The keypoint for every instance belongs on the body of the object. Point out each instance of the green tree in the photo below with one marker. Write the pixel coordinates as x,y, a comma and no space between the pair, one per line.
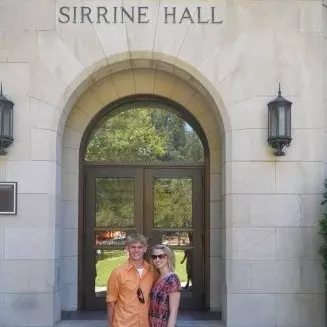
115,202
173,203
143,135
183,144
125,136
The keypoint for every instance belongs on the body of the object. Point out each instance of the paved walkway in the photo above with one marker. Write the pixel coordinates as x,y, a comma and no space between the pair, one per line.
186,318
102,323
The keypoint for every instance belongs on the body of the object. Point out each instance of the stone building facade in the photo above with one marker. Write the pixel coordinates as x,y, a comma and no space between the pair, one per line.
61,69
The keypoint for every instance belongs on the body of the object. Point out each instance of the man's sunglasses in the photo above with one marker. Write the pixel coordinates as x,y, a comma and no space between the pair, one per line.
159,256
140,295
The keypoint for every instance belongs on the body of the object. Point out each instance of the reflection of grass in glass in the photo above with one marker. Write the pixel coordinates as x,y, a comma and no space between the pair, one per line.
110,260
107,264
180,269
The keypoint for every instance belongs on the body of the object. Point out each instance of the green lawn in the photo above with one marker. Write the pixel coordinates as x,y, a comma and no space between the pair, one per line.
112,259
180,268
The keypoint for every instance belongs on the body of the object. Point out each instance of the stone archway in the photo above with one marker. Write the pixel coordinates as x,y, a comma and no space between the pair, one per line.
165,81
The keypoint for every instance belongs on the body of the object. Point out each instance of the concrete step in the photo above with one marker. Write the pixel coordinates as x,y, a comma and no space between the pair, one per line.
103,323
186,318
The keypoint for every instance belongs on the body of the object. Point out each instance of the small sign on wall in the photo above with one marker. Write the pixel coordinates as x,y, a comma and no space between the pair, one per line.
8,198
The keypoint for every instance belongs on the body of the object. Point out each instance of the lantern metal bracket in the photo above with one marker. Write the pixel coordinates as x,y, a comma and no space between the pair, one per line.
5,142
278,144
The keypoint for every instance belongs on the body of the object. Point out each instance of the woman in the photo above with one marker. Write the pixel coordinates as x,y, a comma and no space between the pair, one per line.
165,294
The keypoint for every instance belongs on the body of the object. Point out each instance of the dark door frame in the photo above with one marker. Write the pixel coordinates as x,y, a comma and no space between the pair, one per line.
144,175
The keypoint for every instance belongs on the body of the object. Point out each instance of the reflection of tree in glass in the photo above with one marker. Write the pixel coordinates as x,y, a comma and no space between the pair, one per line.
173,203
114,202
144,135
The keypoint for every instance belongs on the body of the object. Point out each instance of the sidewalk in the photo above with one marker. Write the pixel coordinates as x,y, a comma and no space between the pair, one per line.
186,318
102,323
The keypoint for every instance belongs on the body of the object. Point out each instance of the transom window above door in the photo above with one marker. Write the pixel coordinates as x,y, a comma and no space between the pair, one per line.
144,131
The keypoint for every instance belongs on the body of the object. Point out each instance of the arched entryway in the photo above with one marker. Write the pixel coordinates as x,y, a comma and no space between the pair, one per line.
188,100
143,166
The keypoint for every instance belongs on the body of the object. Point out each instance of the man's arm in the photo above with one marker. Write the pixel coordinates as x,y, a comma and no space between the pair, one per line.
112,295
111,306
183,258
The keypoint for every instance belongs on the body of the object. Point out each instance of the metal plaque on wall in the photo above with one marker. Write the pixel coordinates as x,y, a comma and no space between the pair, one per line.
8,198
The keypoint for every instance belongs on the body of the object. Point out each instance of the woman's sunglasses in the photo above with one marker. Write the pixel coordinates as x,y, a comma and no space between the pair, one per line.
159,256
140,295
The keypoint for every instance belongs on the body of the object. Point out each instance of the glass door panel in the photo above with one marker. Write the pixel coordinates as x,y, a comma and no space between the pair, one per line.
106,262
184,267
114,209
115,202
115,198
172,207
174,216
183,256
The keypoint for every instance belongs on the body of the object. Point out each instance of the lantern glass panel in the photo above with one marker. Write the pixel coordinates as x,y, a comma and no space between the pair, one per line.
272,122
281,121
7,122
288,122
1,119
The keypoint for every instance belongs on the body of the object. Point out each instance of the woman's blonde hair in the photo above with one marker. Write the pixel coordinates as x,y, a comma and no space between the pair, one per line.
170,256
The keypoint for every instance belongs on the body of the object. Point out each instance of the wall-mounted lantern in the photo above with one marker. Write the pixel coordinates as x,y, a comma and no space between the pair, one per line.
279,123
6,123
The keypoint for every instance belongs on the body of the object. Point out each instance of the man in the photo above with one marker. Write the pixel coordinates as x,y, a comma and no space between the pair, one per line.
188,256
129,286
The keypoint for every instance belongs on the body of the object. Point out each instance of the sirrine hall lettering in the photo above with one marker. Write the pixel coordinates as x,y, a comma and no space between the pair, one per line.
137,15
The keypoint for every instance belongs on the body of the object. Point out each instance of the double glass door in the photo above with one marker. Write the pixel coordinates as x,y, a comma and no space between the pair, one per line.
164,204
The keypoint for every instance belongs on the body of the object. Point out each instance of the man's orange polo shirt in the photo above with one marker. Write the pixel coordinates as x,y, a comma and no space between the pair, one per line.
122,287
